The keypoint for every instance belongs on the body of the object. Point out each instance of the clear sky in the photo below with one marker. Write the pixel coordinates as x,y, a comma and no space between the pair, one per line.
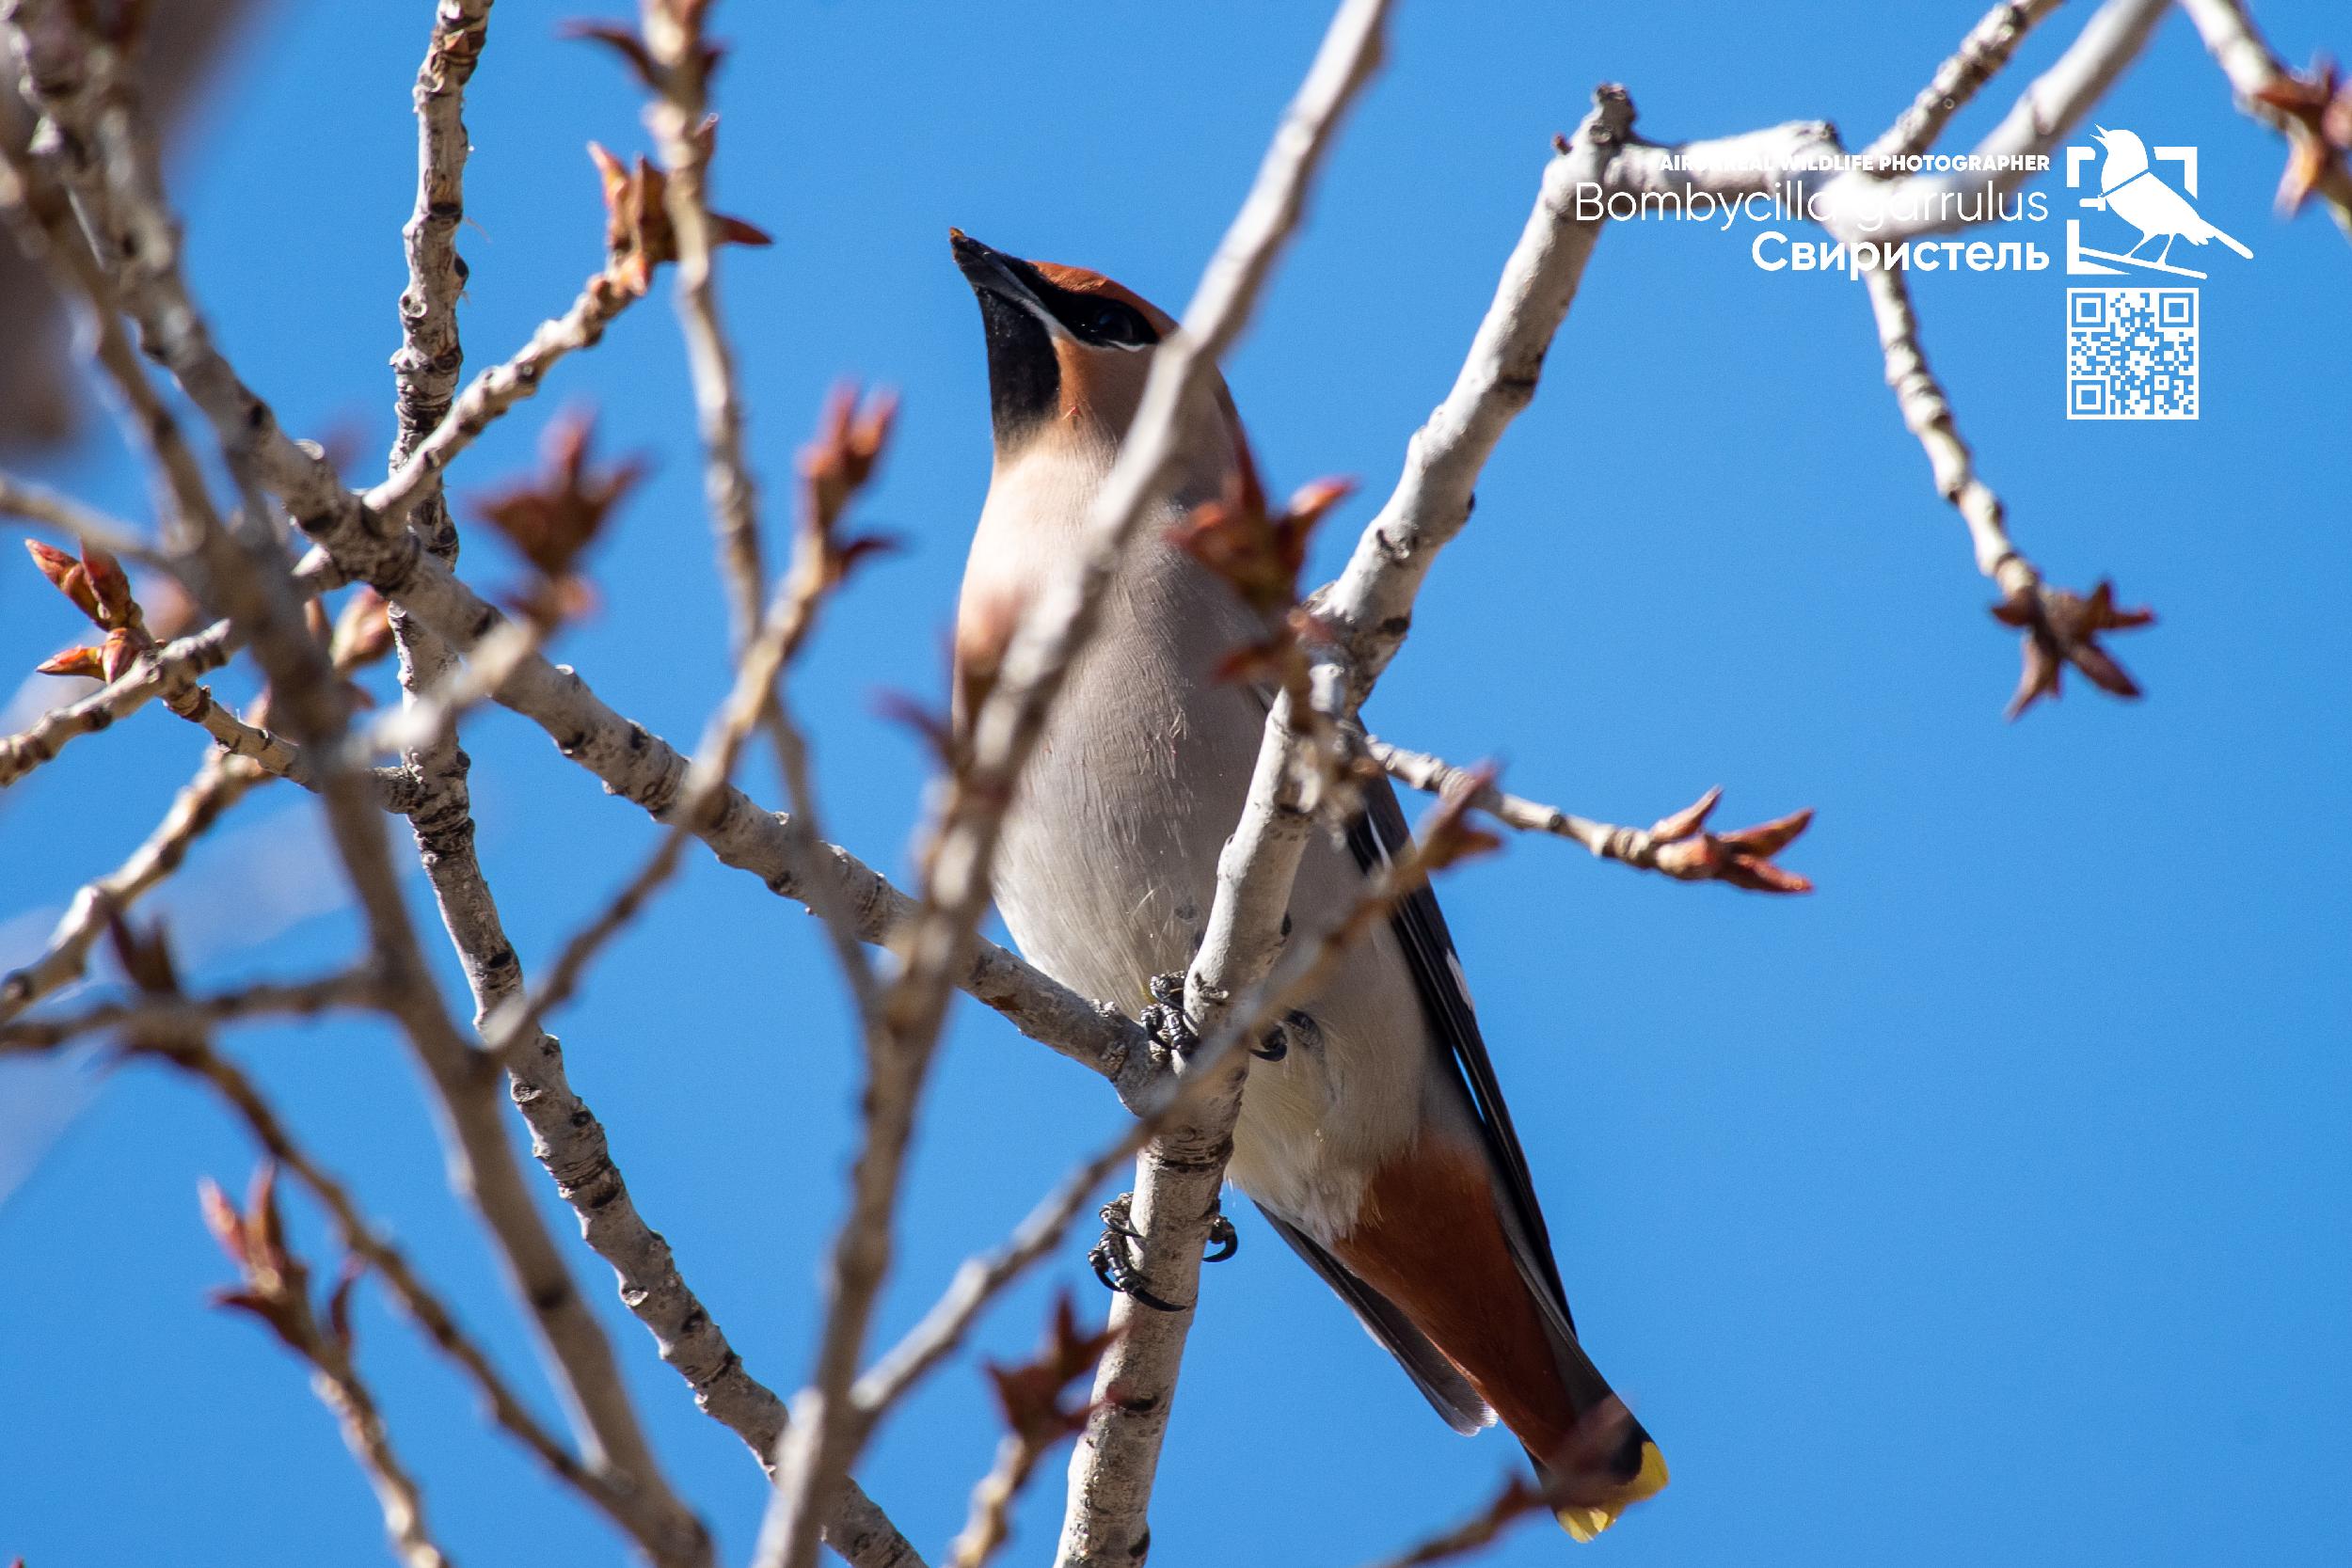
1988,1206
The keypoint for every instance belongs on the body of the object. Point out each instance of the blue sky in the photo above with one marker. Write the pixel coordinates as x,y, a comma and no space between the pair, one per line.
1988,1206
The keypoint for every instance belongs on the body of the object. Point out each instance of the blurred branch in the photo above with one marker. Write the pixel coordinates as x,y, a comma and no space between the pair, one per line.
174,1014
38,505
218,784
679,61
1031,1399
277,1291
2313,111
1982,55
1581,1476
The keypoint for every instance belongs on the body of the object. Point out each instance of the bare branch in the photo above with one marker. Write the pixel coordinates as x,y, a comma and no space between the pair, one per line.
492,393
174,1014
1982,55
76,81
1676,845
2301,108
679,119
85,525
219,784
1855,203
2061,627
277,1291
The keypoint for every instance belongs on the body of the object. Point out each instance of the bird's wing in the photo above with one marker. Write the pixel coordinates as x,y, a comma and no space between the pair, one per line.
1444,1387
1376,837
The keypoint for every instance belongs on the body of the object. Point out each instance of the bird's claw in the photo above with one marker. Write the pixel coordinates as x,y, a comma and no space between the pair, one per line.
1113,1258
1165,1019
1224,1241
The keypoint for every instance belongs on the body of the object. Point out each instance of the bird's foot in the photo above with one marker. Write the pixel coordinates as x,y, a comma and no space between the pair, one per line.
1113,1259
1165,1019
1224,1241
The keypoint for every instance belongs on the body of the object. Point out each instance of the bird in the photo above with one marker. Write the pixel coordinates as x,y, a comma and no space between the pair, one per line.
2131,189
1376,1141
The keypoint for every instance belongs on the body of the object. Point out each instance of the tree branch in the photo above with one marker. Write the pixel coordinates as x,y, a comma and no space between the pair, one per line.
1677,845
75,80
1856,205
2061,628
277,1291
680,63
2257,78
1982,55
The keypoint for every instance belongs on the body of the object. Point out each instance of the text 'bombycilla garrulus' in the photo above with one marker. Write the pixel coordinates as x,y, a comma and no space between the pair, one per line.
1377,1143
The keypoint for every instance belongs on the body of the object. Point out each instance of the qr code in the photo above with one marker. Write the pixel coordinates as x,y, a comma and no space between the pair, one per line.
2131,354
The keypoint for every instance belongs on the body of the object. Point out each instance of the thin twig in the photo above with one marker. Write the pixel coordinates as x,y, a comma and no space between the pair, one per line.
37,503
1676,845
176,1014
219,783
680,63
407,1287
2061,628
158,672
277,1291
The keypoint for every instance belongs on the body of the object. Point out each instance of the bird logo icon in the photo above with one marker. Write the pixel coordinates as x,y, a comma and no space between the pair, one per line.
2130,188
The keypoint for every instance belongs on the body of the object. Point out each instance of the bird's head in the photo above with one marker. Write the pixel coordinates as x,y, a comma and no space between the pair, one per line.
1066,346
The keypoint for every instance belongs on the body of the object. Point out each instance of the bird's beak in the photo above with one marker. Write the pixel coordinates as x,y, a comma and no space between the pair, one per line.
2099,135
990,271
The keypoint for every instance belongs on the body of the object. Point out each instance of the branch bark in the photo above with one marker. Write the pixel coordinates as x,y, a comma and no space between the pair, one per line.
1676,845
2236,46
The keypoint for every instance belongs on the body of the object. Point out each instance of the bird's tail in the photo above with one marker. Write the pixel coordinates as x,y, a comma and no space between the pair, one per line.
2231,243
1609,1461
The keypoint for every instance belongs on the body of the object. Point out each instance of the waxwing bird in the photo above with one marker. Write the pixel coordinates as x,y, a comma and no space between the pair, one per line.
2131,189
1376,1142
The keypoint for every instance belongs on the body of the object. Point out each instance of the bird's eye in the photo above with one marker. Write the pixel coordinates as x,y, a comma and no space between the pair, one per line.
1116,324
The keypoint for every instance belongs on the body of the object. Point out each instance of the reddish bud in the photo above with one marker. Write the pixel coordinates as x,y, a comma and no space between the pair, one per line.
90,662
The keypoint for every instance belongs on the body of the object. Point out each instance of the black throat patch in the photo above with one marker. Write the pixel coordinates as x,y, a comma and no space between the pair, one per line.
1023,375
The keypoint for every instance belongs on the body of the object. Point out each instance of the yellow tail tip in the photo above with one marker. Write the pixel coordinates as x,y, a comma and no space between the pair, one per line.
1584,1521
